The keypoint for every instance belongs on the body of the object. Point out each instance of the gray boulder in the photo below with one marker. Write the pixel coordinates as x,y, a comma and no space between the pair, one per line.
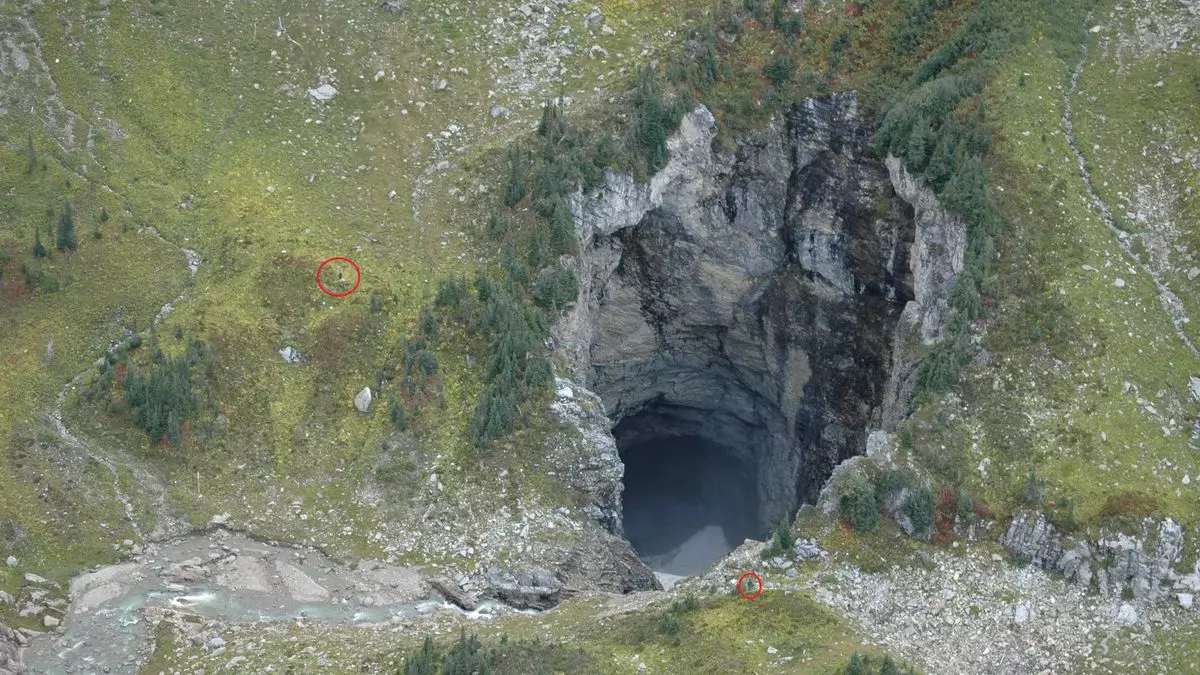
453,592
362,400
531,588
325,92
392,6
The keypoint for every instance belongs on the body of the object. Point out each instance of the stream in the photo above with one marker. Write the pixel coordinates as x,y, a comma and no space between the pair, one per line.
223,576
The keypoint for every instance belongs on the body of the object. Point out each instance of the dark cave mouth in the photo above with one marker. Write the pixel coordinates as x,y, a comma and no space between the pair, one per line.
688,499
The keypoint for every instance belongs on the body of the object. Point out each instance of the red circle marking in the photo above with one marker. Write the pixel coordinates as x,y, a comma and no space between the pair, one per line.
326,291
743,579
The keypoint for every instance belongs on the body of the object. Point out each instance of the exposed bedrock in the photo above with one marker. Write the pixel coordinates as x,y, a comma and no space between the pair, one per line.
743,305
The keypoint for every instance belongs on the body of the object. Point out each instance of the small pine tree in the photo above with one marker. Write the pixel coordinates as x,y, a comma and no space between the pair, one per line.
39,251
31,154
650,131
553,126
919,510
917,149
398,414
515,191
103,214
429,324
66,230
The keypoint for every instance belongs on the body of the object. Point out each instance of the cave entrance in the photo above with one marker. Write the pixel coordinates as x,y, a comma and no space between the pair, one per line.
688,499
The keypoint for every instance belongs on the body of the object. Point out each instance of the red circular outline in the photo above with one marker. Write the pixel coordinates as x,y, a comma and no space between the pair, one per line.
326,291
756,578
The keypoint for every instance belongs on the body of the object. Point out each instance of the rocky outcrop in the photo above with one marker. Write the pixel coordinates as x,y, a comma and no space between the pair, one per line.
748,295
12,648
1115,563
533,588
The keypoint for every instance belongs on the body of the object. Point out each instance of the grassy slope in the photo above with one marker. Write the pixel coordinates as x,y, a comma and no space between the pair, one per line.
203,104
1065,341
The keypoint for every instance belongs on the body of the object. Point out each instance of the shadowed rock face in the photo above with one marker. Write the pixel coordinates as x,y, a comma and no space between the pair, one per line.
743,302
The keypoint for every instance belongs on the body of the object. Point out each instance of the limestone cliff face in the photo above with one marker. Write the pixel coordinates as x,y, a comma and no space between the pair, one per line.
750,294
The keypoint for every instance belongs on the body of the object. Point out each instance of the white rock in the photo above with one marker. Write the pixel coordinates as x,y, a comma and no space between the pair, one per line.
325,92
1193,273
1186,600
771,650
34,579
1127,615
11,561
362,400
1194,385
50,621
1021,613
1119,282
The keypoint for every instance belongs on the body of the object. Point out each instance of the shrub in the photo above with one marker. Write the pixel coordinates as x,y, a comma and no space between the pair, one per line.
779,70
556,288
856,502
965,507
429,324
397,413
1035,489
919,510
861,664
888,484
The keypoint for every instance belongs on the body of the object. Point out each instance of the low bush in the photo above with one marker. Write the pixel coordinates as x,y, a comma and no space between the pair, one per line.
856,501
919,510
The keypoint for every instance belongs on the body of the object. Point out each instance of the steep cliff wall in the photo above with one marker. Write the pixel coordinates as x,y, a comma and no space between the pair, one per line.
750,294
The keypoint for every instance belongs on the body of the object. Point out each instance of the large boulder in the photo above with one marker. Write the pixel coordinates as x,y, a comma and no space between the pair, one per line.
362,400
530,588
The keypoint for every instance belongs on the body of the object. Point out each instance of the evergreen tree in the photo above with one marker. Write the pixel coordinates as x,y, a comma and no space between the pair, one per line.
650,131
39,251
917,149
66,230
103,214
515,191
31,154
423,662
553,126
398,414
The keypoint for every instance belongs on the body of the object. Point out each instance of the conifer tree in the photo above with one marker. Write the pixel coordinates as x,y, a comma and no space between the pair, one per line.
39,251
31,153
66,230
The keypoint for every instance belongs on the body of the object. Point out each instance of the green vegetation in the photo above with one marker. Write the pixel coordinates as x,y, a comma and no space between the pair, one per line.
856,501
469,656
919,510
161,396
861,664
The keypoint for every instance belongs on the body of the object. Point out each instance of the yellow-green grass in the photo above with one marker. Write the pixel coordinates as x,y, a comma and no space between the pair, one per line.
265,184
719,634
1065,340
1139,142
